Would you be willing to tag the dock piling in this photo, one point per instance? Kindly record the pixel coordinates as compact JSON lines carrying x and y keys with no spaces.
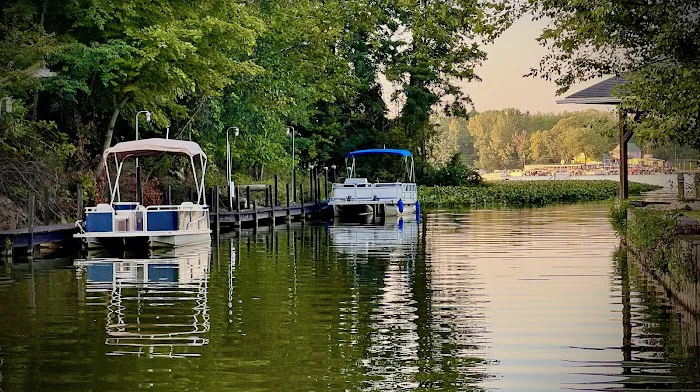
{"x":30,"y":248}
{"x":238,"y":201}
{"x":247,"y":196}
{"x":255,"y":215}
{"x":276,"y":192}
{"x":169,"y":195}
{"x":79,"y":201}
{"x":681,"y":186}
{"x":318,"y":190}
{"x":311,"y":185}
{"x":47,"y":210}
{"x":271,"y":203}
{"x":301,"y":199}
{"x":139,"y":187}
{"x":289,"y":212}
{"x":325,"y":182}
{"x":218,"y":194}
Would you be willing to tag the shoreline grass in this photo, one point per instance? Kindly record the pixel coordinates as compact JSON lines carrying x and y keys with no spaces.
{"x":525,"y":193}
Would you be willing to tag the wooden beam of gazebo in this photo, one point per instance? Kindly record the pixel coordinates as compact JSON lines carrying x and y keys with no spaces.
{"x":602,"y":94}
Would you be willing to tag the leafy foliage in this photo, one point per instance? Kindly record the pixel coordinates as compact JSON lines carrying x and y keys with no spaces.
{"x":525,"y":193}
{"x":653,"y":44}
{"x":454,"y":173}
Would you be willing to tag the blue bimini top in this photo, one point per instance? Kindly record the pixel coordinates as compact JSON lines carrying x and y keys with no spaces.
{"x":377,"y":151}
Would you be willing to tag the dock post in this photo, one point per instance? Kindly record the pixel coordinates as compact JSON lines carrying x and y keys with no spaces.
{"x":238,"y":201}
{"x":276,"y":192}
{"x":269,"y":192}
{"x":79,"y":199}
{"x":294,"y":185}
{"x":47,"y":209}
{"x":325,"y":182}
{"x":696,"y":185}
{"x":681,"y":186}
{"x":247,"y":196}
{"x":289,"y":212}
{"x":318,"y":190}
{"x":192,"y":195}
{"x":169,"y":195}
{"x":139,"y":187}
{"x":311,"y":185}
{"x":255,"y":216}
{"x":30,"y":248}
{"x":301,"y":199}
{"x":218,"y":195}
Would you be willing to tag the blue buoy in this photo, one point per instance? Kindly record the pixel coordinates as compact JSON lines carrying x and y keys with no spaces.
{"x":400,"y":205}
{"x":417,"y":209}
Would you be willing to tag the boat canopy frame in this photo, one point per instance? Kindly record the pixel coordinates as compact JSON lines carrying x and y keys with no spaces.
{"x":155,"y":147}
{"x":409,"y":166}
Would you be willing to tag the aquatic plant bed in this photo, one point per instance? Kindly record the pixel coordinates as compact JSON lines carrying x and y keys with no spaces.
{"x":525,"y":193}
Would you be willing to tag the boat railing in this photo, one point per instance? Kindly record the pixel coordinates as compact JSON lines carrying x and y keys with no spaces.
{"x":393,"y":191}
{"x":137,"y":218}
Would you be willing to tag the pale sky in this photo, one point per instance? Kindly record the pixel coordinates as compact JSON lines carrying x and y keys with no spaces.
{"x":511,"y":57}
{"x":503,"y":86}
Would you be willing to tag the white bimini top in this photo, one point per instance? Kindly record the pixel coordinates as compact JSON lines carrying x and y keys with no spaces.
{"x":154,"y":147}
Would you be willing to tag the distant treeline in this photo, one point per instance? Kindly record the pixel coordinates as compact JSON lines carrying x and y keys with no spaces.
{"x":510,"y":138}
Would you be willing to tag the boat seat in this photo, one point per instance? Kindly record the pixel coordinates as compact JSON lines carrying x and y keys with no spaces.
{"x":103,"y":208}
{"x":355,"y":181}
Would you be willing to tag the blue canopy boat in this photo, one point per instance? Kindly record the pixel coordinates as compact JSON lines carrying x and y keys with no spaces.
{"x":356,"y":197}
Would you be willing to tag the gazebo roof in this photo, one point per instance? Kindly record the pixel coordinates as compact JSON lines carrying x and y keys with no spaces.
{"x":598,"y":94}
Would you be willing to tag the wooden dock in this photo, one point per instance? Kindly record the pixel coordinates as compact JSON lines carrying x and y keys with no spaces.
{"x":220,"y":220}
{"x":22,"y":238}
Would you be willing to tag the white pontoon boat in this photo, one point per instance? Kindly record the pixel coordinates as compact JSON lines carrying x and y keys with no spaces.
{"x":127,"y":223}
{"x":356,"y":197}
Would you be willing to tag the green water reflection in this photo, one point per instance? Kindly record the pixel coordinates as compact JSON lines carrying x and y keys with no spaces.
{"x":468,"y":300}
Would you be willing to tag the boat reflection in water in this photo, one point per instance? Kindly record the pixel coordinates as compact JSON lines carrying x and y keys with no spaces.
{"x":394,"y":240}
{"x":157,"y":307}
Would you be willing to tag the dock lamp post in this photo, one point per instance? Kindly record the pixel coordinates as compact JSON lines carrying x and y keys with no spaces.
{"x":229,"y":165}
{"x":291,"y":132}
{"x":148,"y":119}
{"x":8,"y":105}
{"x":139,"y":188}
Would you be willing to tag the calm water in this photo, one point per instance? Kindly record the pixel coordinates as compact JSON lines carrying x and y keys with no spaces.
{"x":470,"y":300}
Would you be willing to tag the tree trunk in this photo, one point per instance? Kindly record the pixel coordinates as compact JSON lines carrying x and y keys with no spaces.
{"x":110,"y":131}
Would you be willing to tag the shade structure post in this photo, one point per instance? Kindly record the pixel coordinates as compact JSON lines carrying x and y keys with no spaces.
{"x":624,"y":136}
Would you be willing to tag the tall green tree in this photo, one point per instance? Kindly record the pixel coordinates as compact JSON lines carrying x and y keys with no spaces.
{"x":435,"y":46}
{"x":134,"y":55}
{"x":588,"y":133}
{"x":496,"y":135}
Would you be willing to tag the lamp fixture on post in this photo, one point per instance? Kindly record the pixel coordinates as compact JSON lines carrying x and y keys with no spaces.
{"x":8,"y":105}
